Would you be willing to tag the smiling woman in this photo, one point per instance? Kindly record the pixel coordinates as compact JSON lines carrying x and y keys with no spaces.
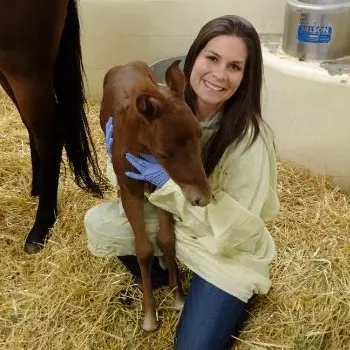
{"x":217,"y":73}
{"x":232,"y":46}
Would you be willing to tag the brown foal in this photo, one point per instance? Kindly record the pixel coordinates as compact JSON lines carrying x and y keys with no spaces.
{"x":148,"y":119}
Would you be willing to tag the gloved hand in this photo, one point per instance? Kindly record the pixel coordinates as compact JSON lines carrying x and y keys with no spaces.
{"x":109,"y":136}
{"x":149,"y":169}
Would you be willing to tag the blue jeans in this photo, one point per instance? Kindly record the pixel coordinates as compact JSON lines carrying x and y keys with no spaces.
{"x":210,"y":316}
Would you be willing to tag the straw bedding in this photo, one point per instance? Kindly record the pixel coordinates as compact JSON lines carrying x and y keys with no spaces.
{"x":64,"y":298}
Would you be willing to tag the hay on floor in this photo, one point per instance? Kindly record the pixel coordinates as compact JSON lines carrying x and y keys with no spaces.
{"x":64,"y":298}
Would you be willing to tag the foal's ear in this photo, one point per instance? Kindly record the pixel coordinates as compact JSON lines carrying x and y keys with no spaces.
{"x":148,"y":106}
{"x":175,"y":79}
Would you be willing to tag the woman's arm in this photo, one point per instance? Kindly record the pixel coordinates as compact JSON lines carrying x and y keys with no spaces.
{"x":242,"y":183}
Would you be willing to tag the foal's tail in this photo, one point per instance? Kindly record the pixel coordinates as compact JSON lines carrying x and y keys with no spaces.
{"x":69,"y":88}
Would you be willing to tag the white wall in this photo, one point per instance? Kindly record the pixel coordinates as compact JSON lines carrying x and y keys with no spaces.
{"x":309,"y":112}
{"x":118,"y":31}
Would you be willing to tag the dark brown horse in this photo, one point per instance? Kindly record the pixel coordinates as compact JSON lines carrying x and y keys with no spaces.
{"x":41,"y":70}
{"x":147,"y":119}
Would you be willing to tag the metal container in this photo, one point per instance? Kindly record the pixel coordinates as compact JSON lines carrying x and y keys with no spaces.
{"x":317,"y":29}
{"x":159,"y":68}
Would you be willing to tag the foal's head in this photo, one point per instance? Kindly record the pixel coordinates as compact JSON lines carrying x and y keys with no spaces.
{"x":173,"y":135}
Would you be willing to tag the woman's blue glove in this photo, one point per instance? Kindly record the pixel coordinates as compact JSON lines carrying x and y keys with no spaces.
{"x":109,"y":136}
{"x":149,"y":169}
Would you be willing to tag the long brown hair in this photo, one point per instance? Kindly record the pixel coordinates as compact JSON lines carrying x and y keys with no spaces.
{"x":242,"y":110}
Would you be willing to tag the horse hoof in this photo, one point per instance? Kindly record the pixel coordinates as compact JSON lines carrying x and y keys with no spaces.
{"x":32,"y":248}
{"x":149,"y":324}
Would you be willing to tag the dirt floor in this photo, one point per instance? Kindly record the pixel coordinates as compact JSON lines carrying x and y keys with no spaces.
{"x":64,"y":298}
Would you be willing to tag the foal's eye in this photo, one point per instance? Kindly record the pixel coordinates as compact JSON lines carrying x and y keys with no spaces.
{"x":165,"y":157}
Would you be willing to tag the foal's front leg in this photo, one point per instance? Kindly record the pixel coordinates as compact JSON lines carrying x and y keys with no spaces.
{"x":133,"y":207}
{"x":166,"y":243}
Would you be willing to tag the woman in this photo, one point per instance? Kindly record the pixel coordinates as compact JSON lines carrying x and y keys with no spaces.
{"x":225,"y":244}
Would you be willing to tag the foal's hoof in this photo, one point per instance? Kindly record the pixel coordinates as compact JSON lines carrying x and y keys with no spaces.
{"x":179,"y":303}
{"x":33,"y":248}
{"x":149,"y":324}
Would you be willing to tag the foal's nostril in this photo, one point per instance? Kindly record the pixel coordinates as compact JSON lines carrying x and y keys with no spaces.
{"x":195,"y":196}
{"x":200,"y":202}
{"x":197,"y":202}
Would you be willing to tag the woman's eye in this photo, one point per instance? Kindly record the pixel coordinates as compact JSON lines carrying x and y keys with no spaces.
{"x":234,"y":67}
{"x":212,"y":58}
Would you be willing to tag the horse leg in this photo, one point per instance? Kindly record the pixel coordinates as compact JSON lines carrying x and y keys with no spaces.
{"x":166,"y":243}
{"x":46,"y":151}
{"x":34,"y":154}
{"x":36,"y":174}
{"x":36,"y":103}
{"x":144,"y":252}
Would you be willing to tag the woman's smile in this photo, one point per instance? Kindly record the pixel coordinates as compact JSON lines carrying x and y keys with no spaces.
{"x":212,"y":87}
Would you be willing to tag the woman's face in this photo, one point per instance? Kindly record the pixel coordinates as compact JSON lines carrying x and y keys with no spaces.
{"x":218,"y":71}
